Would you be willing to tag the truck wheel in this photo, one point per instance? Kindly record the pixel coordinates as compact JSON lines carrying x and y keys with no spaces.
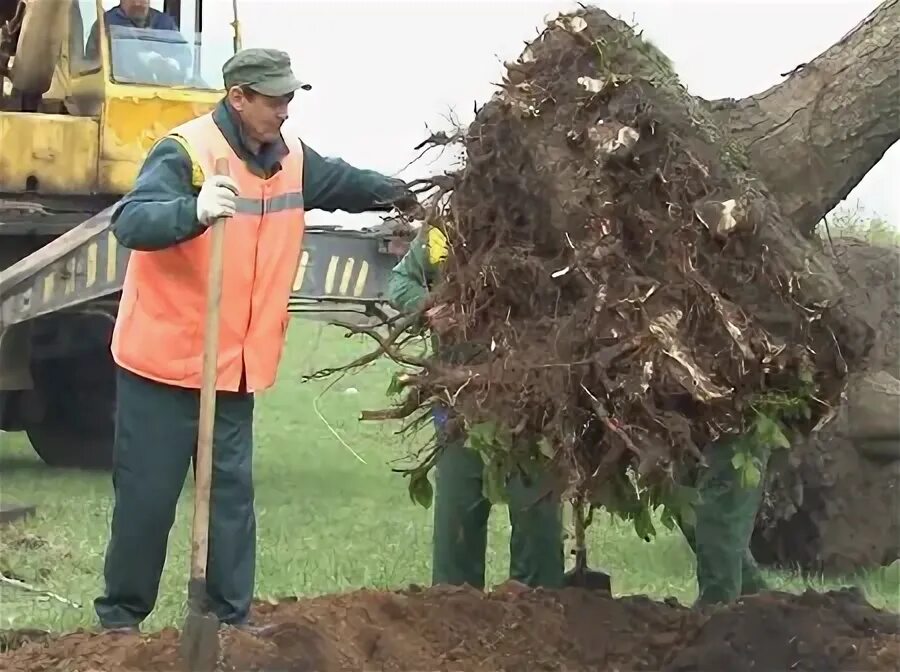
{"x":76,"y":427}
{"x":58,"y":446}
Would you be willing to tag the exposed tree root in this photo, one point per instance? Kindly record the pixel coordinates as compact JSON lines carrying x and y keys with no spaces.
{"x":623,"y":288}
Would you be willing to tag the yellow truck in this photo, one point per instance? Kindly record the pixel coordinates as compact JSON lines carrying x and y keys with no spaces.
{"x":82,"y":101}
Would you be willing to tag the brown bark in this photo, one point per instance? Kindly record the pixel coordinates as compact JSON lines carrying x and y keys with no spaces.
{"x":831,"y":502}
{"x":814,"y":136}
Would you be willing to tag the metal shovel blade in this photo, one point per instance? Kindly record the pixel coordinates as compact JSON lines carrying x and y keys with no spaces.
{"x":582,"y":576}
{"x":200,"y":642}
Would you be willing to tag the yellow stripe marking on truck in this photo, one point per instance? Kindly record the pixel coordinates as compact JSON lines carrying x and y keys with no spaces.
{"x":91,"y":276}
{"x":111,"y":250}
{"x":361,"y":280}
{"x":329,"y":276}
{"x":301,"y":271}
{"x":347,"y":276}
{"x":70,"y":276}
{"x":48,"y":287}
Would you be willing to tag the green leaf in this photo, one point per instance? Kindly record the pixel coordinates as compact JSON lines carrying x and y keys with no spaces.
{"x":738,"y":460}
{"x":763,"y":427}
{"x":420,"y":490}
{"x":750,"y":475}
{"x":780,"y":440}
{"x":769,"y":433}
{"x":489,"y":438}
{"x":481,"y":435}
{"x":545,"y":448}
{"x":503,"y":439}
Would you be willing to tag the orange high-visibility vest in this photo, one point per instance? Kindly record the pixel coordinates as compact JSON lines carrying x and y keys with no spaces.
{"x":160,"y":324}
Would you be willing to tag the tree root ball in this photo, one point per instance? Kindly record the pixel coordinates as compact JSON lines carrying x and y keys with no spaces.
{"x":620,"y":281}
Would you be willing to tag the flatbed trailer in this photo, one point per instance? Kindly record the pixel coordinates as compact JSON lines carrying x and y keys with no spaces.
{"x":58,"y":306}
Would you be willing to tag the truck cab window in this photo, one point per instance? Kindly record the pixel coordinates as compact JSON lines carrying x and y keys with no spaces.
{"x":84,"y":50}
{"x":149,"y":46}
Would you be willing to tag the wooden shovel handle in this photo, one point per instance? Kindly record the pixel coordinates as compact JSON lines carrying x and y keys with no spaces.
{"x":203,"y":477}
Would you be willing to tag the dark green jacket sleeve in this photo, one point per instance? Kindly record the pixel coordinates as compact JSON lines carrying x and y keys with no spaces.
{"x":333,"y":184}
{"x":161,"y":209}
{"x":412,"y":277}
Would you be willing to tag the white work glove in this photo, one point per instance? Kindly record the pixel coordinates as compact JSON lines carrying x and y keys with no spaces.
{"x":217,"y":198}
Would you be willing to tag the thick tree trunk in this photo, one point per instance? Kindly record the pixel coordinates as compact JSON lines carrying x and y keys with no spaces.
{"x":831,"y":503}
{"x":830,"y":506}
{"x":814,"y":136}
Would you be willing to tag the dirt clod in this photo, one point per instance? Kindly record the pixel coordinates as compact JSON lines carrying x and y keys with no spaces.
{"x":511,"y":630}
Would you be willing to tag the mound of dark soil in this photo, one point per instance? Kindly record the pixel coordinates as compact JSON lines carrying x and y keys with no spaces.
{"x":512,"y":629}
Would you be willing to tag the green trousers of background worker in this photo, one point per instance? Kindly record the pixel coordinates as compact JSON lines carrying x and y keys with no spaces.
{"x":460,"y":509}
{"x":461,"y":514}
{"x":725,"y":516}
{"x":156,"y":438}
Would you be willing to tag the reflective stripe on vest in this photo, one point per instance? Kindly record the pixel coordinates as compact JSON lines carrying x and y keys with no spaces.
{"x":257,"y":206}
{"x":159,"y":329}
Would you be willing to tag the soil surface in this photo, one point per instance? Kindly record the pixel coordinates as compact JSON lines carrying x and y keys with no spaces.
{"x":511,"y":629}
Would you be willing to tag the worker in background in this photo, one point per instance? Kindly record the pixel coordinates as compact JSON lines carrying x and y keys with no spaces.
{"x":461,"y":510}
{"x":131,"y":14}
{"x":161,"y":56}
{"x":138,"y":14}
{"x":157,"y":341}
{"x":724,"y":519}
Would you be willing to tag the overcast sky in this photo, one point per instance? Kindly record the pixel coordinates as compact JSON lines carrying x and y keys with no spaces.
{"x":381,"y":71}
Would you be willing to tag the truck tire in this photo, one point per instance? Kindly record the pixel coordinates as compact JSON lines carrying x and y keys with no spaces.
{"x":58,"y":446}
{"x":76,"y":428}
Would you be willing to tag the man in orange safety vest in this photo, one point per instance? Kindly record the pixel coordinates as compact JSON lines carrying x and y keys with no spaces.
{"x":158,"y":337}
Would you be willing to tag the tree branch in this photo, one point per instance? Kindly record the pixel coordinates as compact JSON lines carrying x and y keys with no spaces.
{"x":814,"y":136}
{"x":385,"y":347}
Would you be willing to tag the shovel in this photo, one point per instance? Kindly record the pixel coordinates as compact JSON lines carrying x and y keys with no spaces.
{"x":582,"y":576}
{"x":200,"y":634}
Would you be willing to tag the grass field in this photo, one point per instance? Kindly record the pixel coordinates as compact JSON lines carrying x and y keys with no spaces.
{"x":326,"y":521}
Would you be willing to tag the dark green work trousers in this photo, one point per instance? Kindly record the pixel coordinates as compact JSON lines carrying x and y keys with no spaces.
{"x":156,"y":439}
{"x":461,"y":514}
{"x":725,"y":517}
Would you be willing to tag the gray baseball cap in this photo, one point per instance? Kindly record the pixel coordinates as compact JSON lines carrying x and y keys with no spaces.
{"x":266,"y":71}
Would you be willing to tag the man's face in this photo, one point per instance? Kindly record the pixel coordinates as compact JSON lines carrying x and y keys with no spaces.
{"x":261,"y":116}
{"x":136,"y":10}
